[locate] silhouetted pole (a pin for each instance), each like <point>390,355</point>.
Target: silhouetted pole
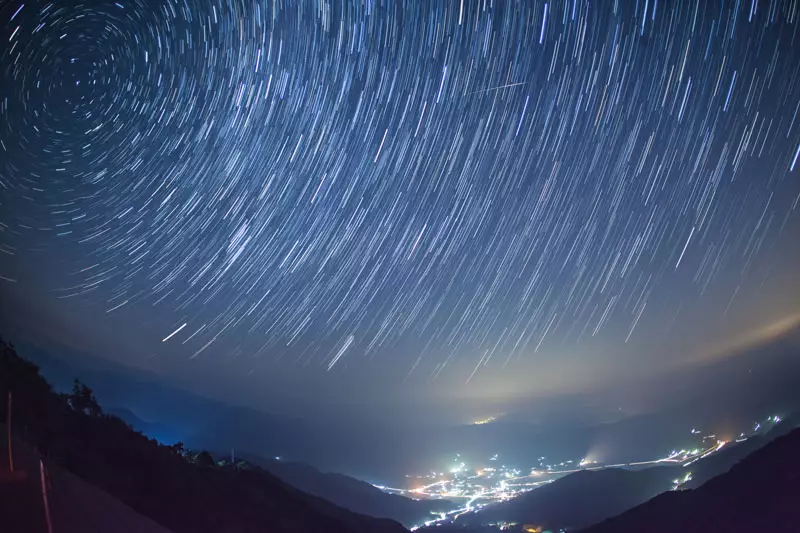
<point>44,497</point>
<point>8,425</point>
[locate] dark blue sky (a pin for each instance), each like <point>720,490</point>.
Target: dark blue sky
<point>375,205</point>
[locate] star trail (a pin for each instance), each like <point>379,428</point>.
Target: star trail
<point>437,184</point>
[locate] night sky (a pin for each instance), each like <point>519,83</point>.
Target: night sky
<point>401,203</point>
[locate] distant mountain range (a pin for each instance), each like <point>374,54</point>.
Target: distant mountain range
<point>345,491</point>
<point>170,414</point>
<point>351,493</point>
<point>115,385</point>
<point>721,394</point>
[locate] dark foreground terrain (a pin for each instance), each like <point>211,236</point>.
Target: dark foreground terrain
<point>74,505</point>
<point>180,490</point>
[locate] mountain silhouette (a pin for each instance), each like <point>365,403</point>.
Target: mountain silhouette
<point>587,497</point>
<point>722,461</point>
<point>181,490</point>
<point>760,493</point>
<point>580,499</point>
<point>74,505</point>
<point>351,493</point>
<point>204,423</point>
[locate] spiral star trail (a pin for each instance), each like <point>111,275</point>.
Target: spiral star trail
<point>439,184</point>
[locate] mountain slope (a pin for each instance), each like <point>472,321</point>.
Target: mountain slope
<point>74,505</point>
<point>722,461</point>
<point>580,499</point>
<point>180,416</point>
<point>353,494</point>
<point>345,491</point>
<point>760,493</point>
<point>185,492</point>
